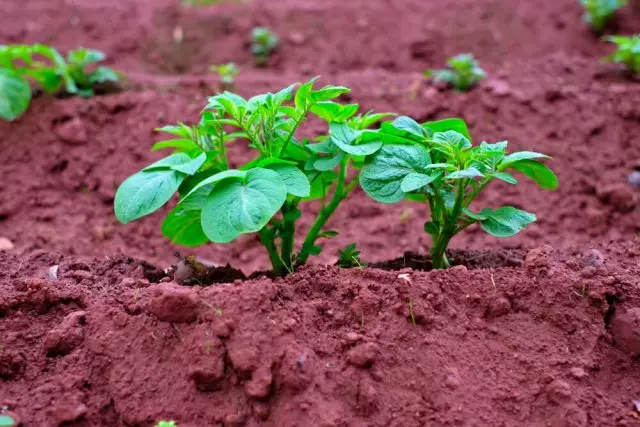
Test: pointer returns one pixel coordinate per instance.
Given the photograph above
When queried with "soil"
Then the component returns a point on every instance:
(541, 329)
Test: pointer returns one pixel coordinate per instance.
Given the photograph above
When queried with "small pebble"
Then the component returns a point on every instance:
(5, 244)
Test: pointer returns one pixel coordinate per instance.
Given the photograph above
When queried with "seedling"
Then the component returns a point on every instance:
(627, 52)
(227, 72)
(7, 421)
(463, 73)
(436, 164)
(20, 64)
(218, 203)
(599, 13)
(166, 424)
(263, 44)
(350, 257)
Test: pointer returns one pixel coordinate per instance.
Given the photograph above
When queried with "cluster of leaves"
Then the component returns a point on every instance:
(227, 72)
(435, 163)
(599, 13)
(263, 43)
(166, 424)
(45, 66)
(463, 73)
(218, 203)
(349, 257)
(627, 52)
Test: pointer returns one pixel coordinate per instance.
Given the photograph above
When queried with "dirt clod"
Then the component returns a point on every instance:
(622, 197)
(362, 355)
(5, 244)
(625, 327)
(173, 303)
(260, 384)
(63, 339)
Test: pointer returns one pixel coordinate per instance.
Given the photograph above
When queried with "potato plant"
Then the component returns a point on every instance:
(227, 72)
(20, 64)
(263, 43)
(599, 13)
(435, 163)
(627, 52)
(219, 203)
(463, 73)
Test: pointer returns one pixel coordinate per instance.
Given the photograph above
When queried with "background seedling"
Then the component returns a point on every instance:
(263, 44)
(20, 64)
(350, 257)
(627, 52)
(463, 73)
(219, 204)
(599, 13)
(166, 424)
(435, 163)
(227, 72)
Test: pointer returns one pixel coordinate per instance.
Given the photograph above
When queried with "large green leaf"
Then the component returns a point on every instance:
(414, 181)
(502, 222)
(213, 179)
(183, 227)
(145, 192)
(15, 94)
(407, 124)
(236, 207)
(382, 177)
(294, 179)
(521, 155)
(538, 172)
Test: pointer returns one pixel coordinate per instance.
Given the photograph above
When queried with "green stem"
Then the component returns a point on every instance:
(287, 236)
(339, 195)
(293, 131)
(267, 237)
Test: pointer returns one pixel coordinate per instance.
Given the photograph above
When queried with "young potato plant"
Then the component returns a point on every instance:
(627, 52)
(350, 257)
(227, 72)
(219, 203)
(166, 424)
(20, 64)
(464, 72)
(435, 163)
(599, 13)
(263, 43)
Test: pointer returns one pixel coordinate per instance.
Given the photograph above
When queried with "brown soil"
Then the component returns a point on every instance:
(508, 342)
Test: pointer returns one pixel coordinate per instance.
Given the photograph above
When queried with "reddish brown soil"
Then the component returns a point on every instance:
(536, 349)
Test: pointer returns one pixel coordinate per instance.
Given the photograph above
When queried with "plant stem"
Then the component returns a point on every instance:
(287, 235)
(267, 237)
(339, 195)
(292, 132)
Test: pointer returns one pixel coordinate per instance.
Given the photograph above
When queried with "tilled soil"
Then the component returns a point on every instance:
(548, 340)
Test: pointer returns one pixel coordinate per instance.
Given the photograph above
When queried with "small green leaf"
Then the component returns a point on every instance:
(457, 125)
(15, 94)
(192, 166)
(236, 207)
(183, 145)
(381, 178)
(145, 192)
(431, 228)
(469, 172)
(301, 99)
(103, 75)
(324, 147)
(315, 250)
(294, 179)
(183, 227)
(345, 138)
(521, 155)
(328, 234)
(330, 111)
(7, 421)
(328, 163)
(414, 181)
(538, 172)
(505, 221)
(505, 176)
(327, 93)
(453, 139)
(407, 124)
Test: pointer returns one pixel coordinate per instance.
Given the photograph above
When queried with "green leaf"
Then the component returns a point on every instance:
(538, 172)
(321, 182)
(301, 99)
(469, 172)
(103, 75)
(328, 163)
(180, 130)
(330, 111)
(324, 147)
(505, 176)
(345, 138)
(15, 94)
(192, 166)
(183, 227)
(236, 207)
(145, 192)
(381, 178)
(521, 155)
(457, 125)
(407, 124)
(82, 57)
(294, 179)
(328, 234)
(415, 181)
(180, 162)
(184, 145)
(327, 93)
(7, 421)
(505, 221)
(453, 139)
(213, 179)
(431, 228)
